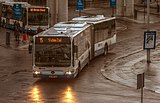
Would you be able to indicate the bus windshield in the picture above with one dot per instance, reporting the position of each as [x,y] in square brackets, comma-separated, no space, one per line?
[53,55]
[38,18]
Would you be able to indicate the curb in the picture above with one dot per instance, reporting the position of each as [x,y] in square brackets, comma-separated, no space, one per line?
[135,21]
[130,70]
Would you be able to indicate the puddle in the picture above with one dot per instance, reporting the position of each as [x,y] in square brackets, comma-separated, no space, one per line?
[157,89]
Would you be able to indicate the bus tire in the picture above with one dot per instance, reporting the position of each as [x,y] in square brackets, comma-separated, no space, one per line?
[105,49]
[79,67]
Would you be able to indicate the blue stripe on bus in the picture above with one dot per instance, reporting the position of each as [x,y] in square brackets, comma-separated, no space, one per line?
[53,76]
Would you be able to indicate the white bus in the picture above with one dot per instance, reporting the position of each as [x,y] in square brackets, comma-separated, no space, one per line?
[64,50]
[32,17]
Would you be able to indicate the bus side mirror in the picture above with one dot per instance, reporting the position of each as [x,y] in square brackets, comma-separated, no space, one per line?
[30,48]
[75,48]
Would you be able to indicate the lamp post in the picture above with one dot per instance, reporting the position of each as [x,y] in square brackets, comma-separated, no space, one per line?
[157,6]
[148,28]
[144,8]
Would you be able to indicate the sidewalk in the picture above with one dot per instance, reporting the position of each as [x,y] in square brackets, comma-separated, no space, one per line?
[126,73]
[13,44]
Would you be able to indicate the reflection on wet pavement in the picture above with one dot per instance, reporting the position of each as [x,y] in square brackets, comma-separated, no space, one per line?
[36,95]
[68,97]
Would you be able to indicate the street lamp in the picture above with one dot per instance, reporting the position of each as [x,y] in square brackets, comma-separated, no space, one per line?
[157,6]
[145,2]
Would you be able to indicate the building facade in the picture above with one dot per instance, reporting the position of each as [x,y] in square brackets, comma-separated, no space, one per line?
[59,8]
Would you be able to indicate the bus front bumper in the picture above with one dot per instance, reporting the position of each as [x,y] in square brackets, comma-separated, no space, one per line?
[53,76]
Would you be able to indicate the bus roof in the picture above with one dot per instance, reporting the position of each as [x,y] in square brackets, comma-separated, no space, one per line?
[92,19]
[69,28]
[35,6]
[70,24]
[12,3]
[72,28]
[6,0]
[24,4]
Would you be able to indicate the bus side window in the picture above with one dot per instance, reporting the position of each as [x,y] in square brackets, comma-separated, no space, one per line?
[75,48]
[109,30]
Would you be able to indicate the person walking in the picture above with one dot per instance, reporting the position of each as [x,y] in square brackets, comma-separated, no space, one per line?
[24,37]
[18,31]
[3,23]
[15,30]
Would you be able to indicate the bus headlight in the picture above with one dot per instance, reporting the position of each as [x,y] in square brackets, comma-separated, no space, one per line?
[36,72]
[29,28]
[68,73]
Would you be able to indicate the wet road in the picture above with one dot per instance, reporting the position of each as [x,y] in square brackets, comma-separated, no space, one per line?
[18,86]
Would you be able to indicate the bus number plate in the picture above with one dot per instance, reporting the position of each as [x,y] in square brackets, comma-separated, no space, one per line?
[52,76]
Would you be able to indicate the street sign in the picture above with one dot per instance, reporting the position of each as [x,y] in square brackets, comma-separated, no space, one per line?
[80,4]
[17,10]
[112,3]
[149,39]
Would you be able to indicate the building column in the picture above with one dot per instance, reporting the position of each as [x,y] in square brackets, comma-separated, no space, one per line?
[119,9]
[58,11]
[52,13]
[62,10]
[125,8]
[129,8]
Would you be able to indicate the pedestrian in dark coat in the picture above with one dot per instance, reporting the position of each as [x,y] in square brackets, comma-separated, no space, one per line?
[18,31]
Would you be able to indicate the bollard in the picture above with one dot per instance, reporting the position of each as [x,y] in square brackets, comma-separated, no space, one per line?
[7,38]
[135,14]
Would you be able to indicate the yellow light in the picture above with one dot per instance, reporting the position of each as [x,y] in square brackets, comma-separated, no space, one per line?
[54,40]
[68,72]
[36,72]
[41,40]
[69,96]
[36,95]
[38,10]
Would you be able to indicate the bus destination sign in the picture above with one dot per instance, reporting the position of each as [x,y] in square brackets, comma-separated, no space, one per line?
[37,9]
[48,40]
